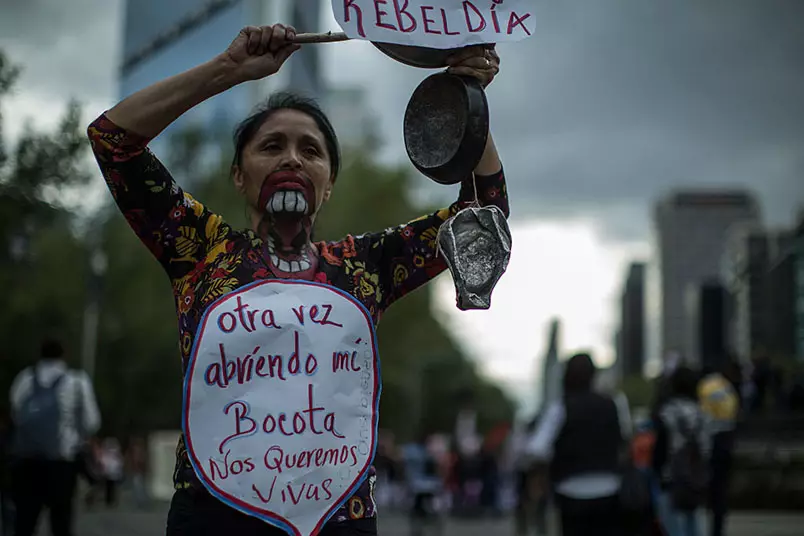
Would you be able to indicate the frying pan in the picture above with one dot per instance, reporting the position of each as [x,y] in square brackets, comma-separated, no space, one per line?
[447,119]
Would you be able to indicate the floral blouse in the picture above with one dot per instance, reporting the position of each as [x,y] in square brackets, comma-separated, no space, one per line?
[205,258]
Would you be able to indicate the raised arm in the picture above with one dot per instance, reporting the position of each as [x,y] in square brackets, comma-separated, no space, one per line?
[406,257]
[255,53]
[177,229]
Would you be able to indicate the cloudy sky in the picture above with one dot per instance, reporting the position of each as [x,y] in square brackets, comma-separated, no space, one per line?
[607,107]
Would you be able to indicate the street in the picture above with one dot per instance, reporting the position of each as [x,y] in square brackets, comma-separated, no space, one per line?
[127,522]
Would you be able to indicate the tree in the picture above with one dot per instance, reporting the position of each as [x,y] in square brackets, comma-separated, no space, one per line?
[42,266]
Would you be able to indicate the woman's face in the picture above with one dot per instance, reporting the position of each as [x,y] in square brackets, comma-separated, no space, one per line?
[285,169]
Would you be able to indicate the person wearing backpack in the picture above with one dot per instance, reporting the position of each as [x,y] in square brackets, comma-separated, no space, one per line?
[53,409]
[681,456]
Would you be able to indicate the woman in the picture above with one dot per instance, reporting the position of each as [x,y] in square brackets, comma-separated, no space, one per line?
[288,141]
[583,437]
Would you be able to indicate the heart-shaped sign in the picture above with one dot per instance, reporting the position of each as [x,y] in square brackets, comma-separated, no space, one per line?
[281,401]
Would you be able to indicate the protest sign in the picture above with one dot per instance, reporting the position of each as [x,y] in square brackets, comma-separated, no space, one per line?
[280,401]
[436,23]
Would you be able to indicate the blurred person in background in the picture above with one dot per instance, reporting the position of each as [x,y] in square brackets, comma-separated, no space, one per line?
[137,470]
[681,455]
[531,483]
[583,436]
[112,467]
[425,485]
[288,141]
[720,401]
[53,409]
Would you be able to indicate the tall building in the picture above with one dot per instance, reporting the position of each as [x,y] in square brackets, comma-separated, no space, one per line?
[691,228]
[551,377]
[782,297]
[146,20]
[706,313]
[745,266]
[217,22]
[631,336]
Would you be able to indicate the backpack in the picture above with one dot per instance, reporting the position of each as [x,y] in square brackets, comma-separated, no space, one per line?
[37,422]
[689,470]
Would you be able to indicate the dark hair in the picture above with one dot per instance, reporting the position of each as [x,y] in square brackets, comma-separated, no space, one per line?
[51,349]
[684,383]
[286,100]
[578,374]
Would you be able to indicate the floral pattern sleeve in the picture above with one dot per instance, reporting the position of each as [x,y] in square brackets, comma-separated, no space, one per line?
[406,256]
[178,230]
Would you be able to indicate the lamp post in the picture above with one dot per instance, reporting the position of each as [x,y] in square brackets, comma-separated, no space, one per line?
[89,345]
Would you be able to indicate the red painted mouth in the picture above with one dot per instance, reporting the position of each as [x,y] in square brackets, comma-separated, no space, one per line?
[287,181]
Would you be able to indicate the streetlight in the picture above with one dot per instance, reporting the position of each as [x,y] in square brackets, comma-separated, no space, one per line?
[97,269]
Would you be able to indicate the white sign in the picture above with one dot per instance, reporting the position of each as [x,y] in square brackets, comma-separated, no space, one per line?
[280,401]
[436,23]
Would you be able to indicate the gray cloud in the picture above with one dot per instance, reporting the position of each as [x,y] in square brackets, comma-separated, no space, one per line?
[606,107]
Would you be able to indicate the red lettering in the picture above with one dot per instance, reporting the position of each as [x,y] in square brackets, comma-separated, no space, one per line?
[214,468]
[495,21]
[293,496]
[311,365]
[326,321]
[467,5]
[446,26]
[325,485]
[299,314]
[380,13]
[232,324]
[243,315]
[270,493]
[241,412]
[358,13]
[355,367]
[293,363]
[425,21]
[403,10]
[311,409]
[515,20]
[270,322]
[282,430]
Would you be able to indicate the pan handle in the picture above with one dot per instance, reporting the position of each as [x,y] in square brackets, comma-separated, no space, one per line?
[326,37]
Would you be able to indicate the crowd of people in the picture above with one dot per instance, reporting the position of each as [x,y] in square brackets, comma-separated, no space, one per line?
[602,470]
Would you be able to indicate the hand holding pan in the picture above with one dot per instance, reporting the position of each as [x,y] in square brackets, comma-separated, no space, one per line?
[447,120]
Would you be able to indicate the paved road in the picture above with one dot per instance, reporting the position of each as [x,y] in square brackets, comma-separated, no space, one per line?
[131,523]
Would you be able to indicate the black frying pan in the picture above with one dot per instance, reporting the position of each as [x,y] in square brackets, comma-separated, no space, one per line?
[446,127]
[447,119]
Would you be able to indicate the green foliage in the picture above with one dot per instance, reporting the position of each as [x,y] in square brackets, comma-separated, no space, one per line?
[42,266]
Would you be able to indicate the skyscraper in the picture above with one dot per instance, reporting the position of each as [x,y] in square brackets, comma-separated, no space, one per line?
[691,229]
[631,339]
[202,40]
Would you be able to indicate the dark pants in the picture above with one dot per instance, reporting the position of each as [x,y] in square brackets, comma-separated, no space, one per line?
[196,513]
[583,517]
[722,455]
[529,508]
[42,484]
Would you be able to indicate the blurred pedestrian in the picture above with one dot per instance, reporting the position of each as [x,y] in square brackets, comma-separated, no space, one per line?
[681,456]
[53,409]
[583,436]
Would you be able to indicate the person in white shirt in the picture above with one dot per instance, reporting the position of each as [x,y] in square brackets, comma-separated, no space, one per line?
[581,437]
[53,410]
